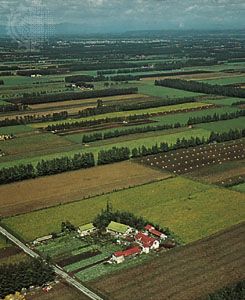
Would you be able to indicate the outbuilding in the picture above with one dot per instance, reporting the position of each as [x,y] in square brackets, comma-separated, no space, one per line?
[118,228]
[151,229]
[86,229]
[120,256]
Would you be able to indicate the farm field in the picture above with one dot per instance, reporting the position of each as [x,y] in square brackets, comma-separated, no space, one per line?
[33,143]
[223,101]
[199,76]
[196,209]
[239,188]
[12,255]
[157,110]
[182,118]
[190,275]
[218,173]
[148,88]
[187,160]
[61,291]
[86,101]
[225,81]
[125,141]
[16,130]
[223,126]
[72,186]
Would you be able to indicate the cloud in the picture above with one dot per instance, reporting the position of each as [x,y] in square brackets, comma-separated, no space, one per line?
[109,15]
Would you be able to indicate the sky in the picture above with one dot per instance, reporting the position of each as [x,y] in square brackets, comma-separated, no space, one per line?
[126,15]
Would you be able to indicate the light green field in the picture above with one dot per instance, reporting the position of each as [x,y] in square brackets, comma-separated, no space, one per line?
[16,129]
[228,80]
[239,188]
[155,110]
[191,209]
[124,142]
[224,101]
[182,118]
[149,88]
[222,126]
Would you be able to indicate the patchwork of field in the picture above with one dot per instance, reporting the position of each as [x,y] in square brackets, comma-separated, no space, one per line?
[188,160]
[191,209]
[129,141]
[87,101]
[190,272]
[200,76]
[67,187]
[157,110]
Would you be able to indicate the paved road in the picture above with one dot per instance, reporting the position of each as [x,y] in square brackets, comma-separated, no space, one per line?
[57,270]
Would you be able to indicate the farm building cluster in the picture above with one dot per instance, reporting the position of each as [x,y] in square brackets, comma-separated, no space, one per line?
[136,242]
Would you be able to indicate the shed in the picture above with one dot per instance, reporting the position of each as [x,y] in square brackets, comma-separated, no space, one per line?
[118,228]
[86,229]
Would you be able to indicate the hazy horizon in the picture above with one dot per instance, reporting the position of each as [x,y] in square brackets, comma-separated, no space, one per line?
[110,16]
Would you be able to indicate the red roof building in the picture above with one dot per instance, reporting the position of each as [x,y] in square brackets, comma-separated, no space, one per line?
[128,252]
[155,232]
[145,240]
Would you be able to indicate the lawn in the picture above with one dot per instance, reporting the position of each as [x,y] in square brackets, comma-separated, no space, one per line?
[190,209]
[223,126]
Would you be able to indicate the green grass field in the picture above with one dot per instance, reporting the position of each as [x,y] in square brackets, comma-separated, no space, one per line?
[149,88]
[33,143]
[182,118]
[191,209]
[16,129]
[224,101]
[228,80]
[239,188]
[127,141]
[222,126]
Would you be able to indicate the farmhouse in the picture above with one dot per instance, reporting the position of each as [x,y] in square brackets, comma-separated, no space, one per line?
[118,228]
[120,256]
[155,232]
[86,229]
[147,243]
